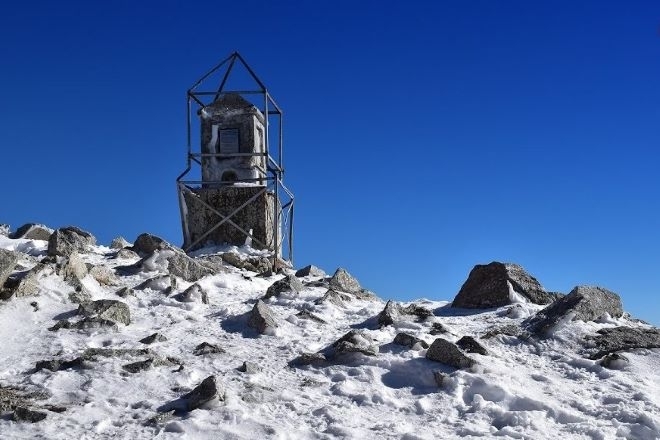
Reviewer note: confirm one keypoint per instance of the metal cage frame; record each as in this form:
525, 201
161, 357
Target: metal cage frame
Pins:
283, 213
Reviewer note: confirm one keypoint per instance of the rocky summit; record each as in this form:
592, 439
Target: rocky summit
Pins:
144, 341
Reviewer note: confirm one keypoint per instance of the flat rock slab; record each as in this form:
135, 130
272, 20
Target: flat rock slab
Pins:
610, 340
32, 231
310, 271
487, 286
585, 303
470, 345
448, 353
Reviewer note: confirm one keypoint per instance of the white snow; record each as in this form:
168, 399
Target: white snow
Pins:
528, 390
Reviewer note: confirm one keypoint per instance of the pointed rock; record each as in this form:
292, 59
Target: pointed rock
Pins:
262, 318
333, 297
585, 303
194, 293
344, 282
119, 243
203, 393
205, 348
155, 337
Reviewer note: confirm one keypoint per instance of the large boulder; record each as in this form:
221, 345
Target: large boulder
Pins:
488, 286
289, 284
109, 309
262, 318
611, 340
66, 240
344, 282
32, 231
29, 284
448, 353
8, 261
119, 243
584, 303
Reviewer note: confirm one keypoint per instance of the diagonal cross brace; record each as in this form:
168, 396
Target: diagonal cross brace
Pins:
225, 219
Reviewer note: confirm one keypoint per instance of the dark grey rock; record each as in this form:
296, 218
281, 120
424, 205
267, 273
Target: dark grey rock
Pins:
32, 231
448, 353
310, 271
394, 312
119, 243
610, 340
249, 368
23, 414
409, 340
334, 297
203, 393
469, 344
80, 295
194, 293
92, 353
487, 287
614, 361
309, 359
69, 239
288, 284
507, 330
439, 377
155, 337
306, 314
109, 309
59, 364
136, 367
85, 324
355, 341
205, 348
159, 282
145, 244
437, 329
8, 261
586, 303
124, 292
261, 317
344, 282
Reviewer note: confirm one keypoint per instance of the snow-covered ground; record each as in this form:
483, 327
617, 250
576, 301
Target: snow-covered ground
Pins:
533, 389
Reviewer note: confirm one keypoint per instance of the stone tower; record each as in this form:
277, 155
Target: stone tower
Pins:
241, 197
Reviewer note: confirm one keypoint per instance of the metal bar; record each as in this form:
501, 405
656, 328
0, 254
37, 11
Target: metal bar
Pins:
291, 236
250, 71
200, 103
224, 78
183, 209
227, 155
240, 92
207, 74
189, 123
281, 139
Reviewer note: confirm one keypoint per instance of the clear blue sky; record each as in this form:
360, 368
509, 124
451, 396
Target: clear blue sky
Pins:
421, 138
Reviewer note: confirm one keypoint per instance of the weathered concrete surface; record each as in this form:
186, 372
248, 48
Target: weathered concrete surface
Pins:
257, 215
